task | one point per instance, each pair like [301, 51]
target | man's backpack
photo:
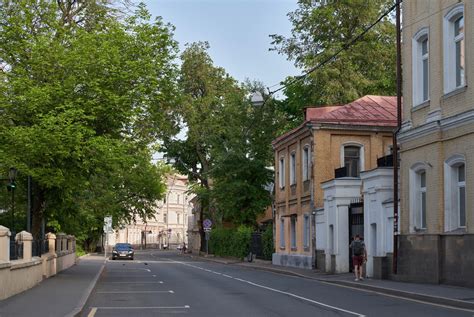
[358, 248]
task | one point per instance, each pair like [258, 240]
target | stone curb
[389, 291]
[85, 296]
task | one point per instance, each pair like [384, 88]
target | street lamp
[11, 187]
[257, 99]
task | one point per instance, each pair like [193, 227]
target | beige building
[436, 141]
[170, 225]
[352, 136]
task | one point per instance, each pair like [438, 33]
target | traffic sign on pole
[207, 223]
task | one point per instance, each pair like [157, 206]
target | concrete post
[26, 238]
[51, 237]
[69, 243]
[4, 244]
[61, 238]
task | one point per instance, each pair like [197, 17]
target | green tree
[83, 98]
[322, 28]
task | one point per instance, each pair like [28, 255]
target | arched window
[420, 67]
[418, 197]
[455, 192]
[306, 163]
[454, 49]
[352, 157]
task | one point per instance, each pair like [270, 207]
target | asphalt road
[163, 283]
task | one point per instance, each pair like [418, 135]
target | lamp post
[11, 187]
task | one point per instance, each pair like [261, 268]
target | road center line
[159, 282]
[143, 307]
[92, 312]
[134, 292]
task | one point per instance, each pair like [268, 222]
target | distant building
[436, 140]
[169, 228]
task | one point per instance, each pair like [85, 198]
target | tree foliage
[322, 28]
[83, 97]
[227, 146]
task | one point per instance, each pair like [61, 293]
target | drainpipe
[313, 209]
[395, 143]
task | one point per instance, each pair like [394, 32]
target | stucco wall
[18, 276]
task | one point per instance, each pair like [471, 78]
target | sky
[237, 31]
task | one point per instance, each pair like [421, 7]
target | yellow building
[353, 136]
[436, 140]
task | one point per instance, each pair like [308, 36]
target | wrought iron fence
[16, 250]
[39, 247]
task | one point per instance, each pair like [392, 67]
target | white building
[170, 225]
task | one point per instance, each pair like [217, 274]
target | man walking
[359, 254]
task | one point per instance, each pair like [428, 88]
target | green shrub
[230, 242]
[267, 241]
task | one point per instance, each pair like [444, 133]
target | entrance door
[356, 225]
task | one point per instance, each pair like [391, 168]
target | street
[164, 283]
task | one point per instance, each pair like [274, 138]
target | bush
[230, 242]
[267, 241]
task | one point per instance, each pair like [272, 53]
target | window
[418, 197]
[165, 217]
[422, 201]
[281, 172]
[455, 193]
[177, 199]
[306, 166]
[306, 231]
[461, 195]
[420, 67]
[352, 160]
[293, 168]
[282, 233]
[454, 47]
[293, 232]
[178, 216]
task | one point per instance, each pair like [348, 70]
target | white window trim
[451, 216]
[281, 171]
[415, 212]
[293, 168]
[449, 49]
[362, 154]
[306, 165]
[417, 69]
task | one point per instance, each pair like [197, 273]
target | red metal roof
[368, 110]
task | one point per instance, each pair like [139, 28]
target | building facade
[437, 184]
[352, 136]
[169, 227]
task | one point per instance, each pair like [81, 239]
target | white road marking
[111, 270]
[135, 282]
[133, 292]
[281, 292]
[92, 312]
[146, 307]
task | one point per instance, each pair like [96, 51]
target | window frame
[293, 168]
[415, 197]
[306, 230]
[281, 171]
[418, 74]
[452, 185]
[282, 233]
[305, 162]
[449, 49]
[361, 154]
[293, 232]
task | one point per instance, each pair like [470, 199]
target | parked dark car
[122, 251]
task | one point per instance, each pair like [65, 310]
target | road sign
[207, 223]
[207, 229]
[108, 224]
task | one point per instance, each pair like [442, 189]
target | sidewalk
[454, 296]
[61, 295]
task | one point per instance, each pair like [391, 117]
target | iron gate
[356, 225]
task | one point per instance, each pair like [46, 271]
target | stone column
[51, 237]
[61, 238]
[26, 238]
[69, 243]
[4, 244]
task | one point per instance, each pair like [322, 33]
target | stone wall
[293, 260]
